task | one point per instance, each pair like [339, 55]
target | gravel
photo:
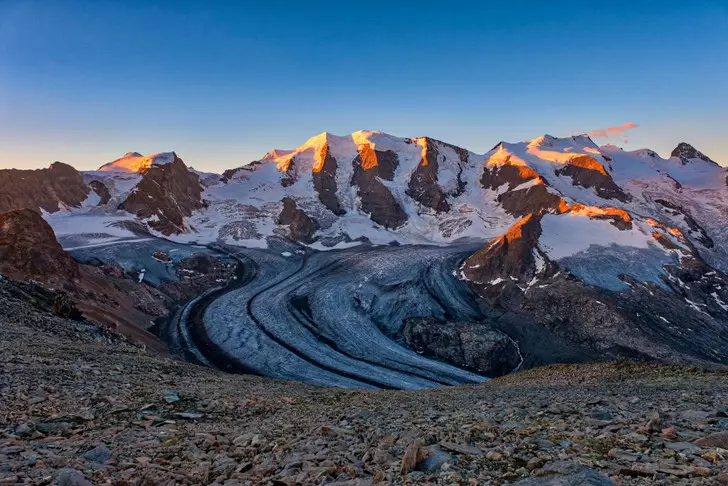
[76, 409]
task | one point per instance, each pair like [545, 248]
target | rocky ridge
[59, 186]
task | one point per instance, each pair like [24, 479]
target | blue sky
[85, 82]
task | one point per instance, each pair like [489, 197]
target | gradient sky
[86, 81]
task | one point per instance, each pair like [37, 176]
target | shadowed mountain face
[44, 189]
[324, 182]
[372, 167]
[28, 248]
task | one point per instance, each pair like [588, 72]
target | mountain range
[592, 250]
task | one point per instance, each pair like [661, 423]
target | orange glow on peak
[368, 156]
[588, 162]
[320, 157]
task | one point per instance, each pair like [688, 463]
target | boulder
[469, 345]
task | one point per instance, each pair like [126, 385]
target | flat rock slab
[567, 474]
[719, 439]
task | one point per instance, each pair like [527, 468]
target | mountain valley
[370, 262]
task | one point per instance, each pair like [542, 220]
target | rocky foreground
[80, 406]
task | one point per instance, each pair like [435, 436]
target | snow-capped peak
[134, 162]
[346, 146]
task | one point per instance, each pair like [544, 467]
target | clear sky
[222, 83]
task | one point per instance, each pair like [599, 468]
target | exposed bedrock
[587, 172]
[527, 191]
[552, 310]
[511, 256]
[48, 189]
[300, 226]
[376, 199]
[289, 173]
[473, 346]
[324, 182]
[166, 195]
[423, 186]
[686, 152]
[513, 175]
[693, 227]
[29, 249]
[101, 190]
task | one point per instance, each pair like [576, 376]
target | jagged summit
[687, 153]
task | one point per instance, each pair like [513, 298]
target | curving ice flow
[332, 318]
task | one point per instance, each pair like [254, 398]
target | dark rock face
[646, 322]
[301, 226]
[534, 198]
[423, 186]
[382, 164]
[685, 152]
[511, 255]
[513, 175]
[543, 307]
[229, 174]
[289, 176]
[469, 345]
[376, 199]
[103, 192]
[464, 160]
[324, 182]
[170, 192]
[29, 249]
[586, 172]
[697, 231]
[45, 189]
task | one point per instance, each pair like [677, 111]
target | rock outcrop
[474, 346]
[166, 195]
[586, 172]
[29, 249]
[423, 186]
[686, 153]
[101, 190]
[526, 193]
[300, 226]
[376, 199]
[49, 189]
[324, 181]
[549, 311]
[510, 257]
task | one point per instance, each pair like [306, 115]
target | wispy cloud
[612, 131]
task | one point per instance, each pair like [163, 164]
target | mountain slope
[28, 248]
[57, 187]
[166, 194]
